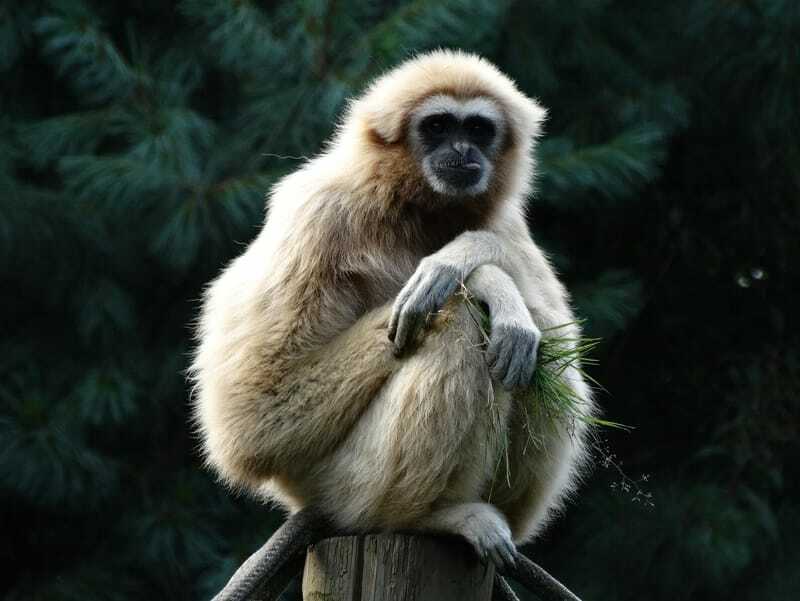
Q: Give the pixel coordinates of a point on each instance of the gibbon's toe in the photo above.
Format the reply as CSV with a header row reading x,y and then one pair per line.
x,y
488,533
496,546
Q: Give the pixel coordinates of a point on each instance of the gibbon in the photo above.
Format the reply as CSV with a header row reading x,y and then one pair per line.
x,y
338,365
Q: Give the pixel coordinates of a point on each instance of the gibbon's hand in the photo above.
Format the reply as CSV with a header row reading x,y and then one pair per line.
x,y
511,355
514,338
436,278
424,294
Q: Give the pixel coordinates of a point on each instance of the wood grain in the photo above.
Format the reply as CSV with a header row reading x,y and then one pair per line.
x,y
395,567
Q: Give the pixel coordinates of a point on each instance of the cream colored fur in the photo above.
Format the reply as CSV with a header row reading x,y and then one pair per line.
x,y
298,395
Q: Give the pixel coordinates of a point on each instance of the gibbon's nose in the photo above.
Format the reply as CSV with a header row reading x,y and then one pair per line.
x,y
466,154
461,147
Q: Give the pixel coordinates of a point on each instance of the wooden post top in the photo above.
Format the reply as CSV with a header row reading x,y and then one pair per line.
x,y
395,567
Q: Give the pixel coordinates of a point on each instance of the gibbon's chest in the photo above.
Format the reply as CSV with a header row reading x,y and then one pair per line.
x,y
382,254
433,223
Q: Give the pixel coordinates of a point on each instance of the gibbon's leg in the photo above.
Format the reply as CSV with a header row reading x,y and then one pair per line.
x,y
542,460
429,445
424,437
545,460
511,356
280,418
543,465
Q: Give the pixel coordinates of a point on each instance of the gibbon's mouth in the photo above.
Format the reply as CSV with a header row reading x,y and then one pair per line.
x,y
459,166
460,175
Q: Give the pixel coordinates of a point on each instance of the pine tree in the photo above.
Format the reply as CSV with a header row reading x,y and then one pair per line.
x,y
139,140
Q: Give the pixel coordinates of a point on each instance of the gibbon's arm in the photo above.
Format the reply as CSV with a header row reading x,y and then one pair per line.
x,y
286,365
315,404
514,338
508,245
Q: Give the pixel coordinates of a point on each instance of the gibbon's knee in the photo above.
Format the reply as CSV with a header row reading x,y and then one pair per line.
x,y
447,368
455,328
447,364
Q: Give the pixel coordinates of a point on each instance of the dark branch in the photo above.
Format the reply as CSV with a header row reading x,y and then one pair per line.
x,y
501,591
268,571
538,581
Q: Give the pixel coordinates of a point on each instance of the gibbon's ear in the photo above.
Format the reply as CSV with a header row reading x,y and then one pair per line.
x,y
527,117
388,122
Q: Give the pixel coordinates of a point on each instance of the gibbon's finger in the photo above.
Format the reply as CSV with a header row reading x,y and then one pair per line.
x,y
415,312
397,310
529,367
400,302
496,344
505,551
403,302
520,356
392,331
503,357
399,314
431,288
514,369
496,557
442,289
408,325
493,350
509,554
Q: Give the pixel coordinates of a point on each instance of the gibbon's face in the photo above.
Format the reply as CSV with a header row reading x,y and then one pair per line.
x,y
456,142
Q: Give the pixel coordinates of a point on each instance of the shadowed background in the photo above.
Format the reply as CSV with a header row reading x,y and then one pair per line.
x,y
137,141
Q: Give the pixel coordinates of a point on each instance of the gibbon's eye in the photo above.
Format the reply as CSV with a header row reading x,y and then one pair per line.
x,y
437,124
480,129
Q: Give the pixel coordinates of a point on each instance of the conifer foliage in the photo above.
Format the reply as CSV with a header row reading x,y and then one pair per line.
x,y
138,140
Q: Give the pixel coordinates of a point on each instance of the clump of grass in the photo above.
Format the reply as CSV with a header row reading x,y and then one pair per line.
x,y
551,404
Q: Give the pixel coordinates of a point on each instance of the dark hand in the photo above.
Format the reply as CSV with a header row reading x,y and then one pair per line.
x,y
425,293
511,355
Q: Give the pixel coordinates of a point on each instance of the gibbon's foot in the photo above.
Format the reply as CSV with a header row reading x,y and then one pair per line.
x,y
483,526
489,534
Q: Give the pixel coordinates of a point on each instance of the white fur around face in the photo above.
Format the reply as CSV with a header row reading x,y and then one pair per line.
x,y
479,106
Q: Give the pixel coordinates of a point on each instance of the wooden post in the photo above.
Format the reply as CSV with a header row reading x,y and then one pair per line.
x,y
395,567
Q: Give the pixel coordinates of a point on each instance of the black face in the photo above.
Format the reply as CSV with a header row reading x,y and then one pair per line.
x,y
456,149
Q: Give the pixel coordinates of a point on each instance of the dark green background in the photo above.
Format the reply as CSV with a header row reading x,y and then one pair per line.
x,y
137,141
